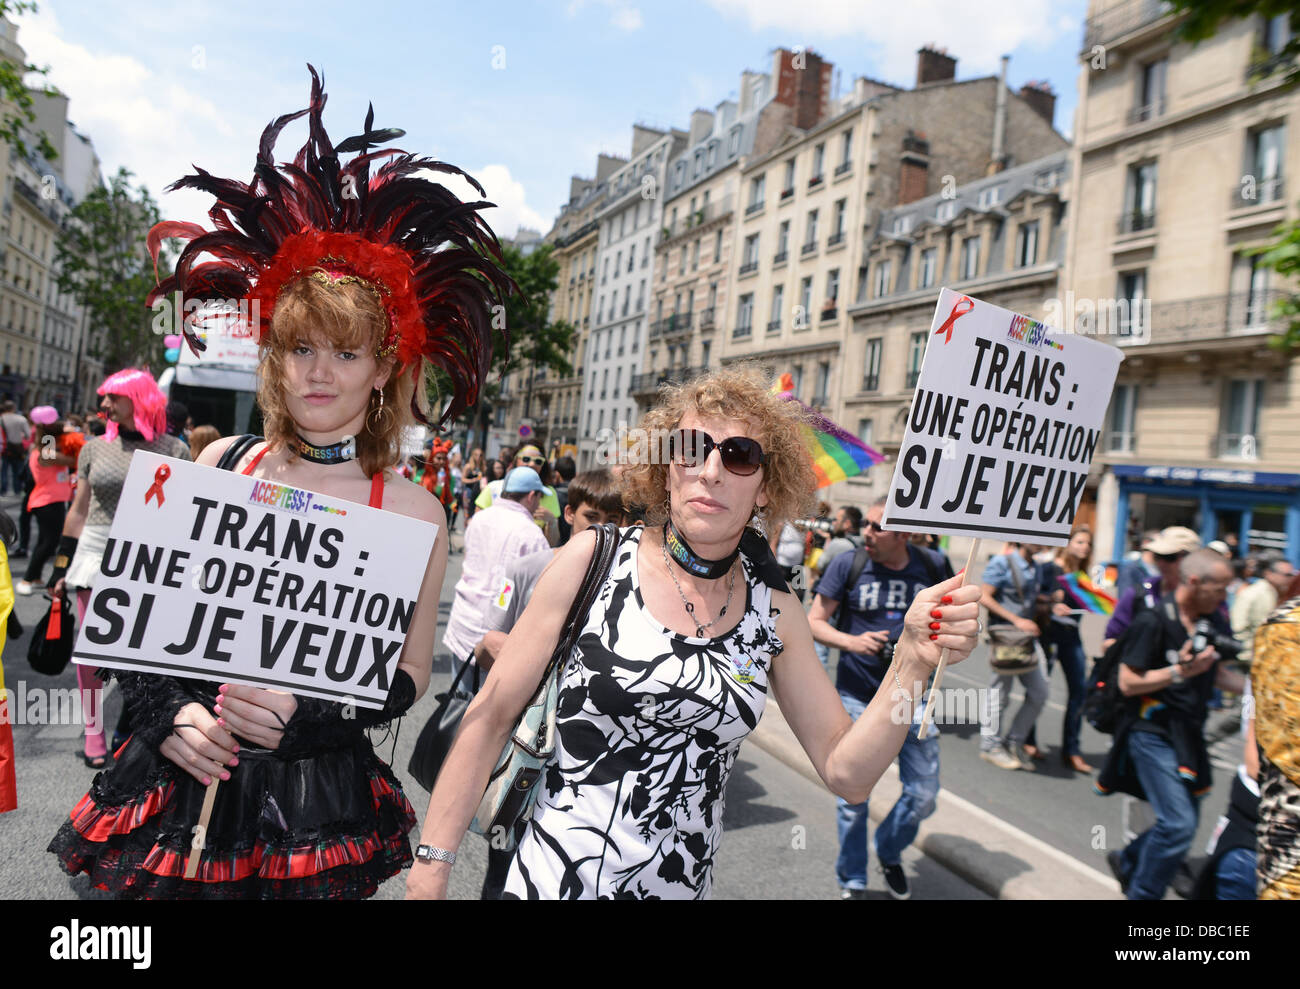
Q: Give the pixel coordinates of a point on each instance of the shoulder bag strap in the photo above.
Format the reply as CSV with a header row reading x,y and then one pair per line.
x,y
597,571
860,560
236,450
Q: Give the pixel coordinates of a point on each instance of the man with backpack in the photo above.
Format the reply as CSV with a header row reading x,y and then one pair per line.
x,y
1168,664
870,590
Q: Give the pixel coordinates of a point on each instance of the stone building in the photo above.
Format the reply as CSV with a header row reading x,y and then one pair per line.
x,y
1180,165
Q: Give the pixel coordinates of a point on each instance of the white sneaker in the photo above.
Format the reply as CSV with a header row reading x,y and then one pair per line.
x,y
24,587
1001,758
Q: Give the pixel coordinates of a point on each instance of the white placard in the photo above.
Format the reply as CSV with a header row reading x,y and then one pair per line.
x,y
214,575
1003,425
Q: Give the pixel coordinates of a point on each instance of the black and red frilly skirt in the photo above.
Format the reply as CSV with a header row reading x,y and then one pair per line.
x,y
329,824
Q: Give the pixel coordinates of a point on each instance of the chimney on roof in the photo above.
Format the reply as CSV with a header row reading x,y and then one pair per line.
x,y
803,83
914,168
701,125
934,65
998,160
1041,99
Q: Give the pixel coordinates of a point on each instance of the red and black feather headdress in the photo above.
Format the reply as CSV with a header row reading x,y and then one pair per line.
x,y
433,261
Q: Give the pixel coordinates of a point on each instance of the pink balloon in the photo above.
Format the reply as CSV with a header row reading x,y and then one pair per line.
x,y
171,340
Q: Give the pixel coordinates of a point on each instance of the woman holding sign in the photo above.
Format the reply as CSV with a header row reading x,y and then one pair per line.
x,y
365,285
673,665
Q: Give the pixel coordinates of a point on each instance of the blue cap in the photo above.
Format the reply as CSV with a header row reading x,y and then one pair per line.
x,y
521,480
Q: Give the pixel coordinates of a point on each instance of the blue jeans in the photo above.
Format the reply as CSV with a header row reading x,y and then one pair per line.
x,y
824,654
918,768
1063,643
1236,875
1153,856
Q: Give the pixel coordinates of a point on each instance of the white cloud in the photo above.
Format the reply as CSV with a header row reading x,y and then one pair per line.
x,y
893,32
623,15
511,211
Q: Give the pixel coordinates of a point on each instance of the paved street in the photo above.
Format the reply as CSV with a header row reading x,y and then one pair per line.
x,y
780,827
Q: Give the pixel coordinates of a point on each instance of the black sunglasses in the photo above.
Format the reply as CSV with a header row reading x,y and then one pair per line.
x,y
740,454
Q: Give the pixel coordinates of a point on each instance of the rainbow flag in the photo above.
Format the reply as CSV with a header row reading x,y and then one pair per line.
x,y
1080,592
836,454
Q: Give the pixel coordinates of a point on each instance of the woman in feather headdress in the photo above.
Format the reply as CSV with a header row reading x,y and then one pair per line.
x,y
366,289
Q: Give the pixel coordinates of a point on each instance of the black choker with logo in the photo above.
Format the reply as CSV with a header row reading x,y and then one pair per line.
x,y
336,453
690,561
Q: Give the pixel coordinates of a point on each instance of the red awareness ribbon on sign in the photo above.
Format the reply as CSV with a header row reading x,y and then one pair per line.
x,y
159,478
956,314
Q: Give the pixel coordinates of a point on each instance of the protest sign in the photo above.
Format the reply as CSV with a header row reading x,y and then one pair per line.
x,y
1004,422
215,575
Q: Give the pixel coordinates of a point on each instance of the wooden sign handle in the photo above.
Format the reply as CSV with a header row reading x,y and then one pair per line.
x,y
201,830
943,656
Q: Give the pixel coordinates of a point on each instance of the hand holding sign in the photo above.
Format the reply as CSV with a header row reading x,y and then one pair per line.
x,y
199,745
258,715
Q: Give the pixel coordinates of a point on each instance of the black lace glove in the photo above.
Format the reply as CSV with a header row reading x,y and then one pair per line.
x,y
63,558
153,701
317,722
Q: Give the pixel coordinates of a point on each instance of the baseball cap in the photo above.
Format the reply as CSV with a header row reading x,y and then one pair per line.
x,y
521,480
1173,540
44,415
1220,547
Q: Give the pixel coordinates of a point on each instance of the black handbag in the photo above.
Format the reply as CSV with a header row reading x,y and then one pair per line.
x,y
52,639
439,732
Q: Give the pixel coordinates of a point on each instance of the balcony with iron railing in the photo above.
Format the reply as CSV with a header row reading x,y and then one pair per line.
x,y
1237,446
651,380
1136,221
808,248
816,181
678,322
706,319
787,194
829,313
1267,65
780,257
1252,192
842,168
741,331
835,239
1141,114
871,382
717,209
1185,323
1120,20
773,327
748,268
754,207
913,377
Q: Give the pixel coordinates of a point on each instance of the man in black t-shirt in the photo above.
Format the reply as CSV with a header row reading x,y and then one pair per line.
x,y
876,603
1159,753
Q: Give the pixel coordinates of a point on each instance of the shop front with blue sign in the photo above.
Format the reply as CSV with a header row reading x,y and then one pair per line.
x,y
1255,510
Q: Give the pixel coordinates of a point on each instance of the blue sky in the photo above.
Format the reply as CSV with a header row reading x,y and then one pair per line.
x,y
520,94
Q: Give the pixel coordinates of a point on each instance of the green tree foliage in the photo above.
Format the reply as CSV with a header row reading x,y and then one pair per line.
x,y
535,343
103,264
16,98
1203,19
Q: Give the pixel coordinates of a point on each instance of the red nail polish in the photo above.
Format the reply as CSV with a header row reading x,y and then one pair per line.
x,y
936,614
947,599
933,637
934,626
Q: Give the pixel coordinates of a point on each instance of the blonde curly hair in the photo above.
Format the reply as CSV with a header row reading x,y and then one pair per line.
x,y
346,315
740,392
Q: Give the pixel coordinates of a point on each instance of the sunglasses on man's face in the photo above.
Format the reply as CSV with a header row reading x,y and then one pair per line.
x,y
872,527
740,454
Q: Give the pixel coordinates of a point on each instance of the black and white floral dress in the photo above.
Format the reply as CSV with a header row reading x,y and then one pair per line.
x,y
649,726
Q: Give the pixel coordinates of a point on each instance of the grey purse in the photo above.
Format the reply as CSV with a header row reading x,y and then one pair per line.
x,y
512,788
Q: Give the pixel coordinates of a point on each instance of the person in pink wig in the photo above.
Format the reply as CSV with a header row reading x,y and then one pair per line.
x,y
135,409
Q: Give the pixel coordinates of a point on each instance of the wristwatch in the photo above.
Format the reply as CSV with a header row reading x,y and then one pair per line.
x,y
1175,672
427,853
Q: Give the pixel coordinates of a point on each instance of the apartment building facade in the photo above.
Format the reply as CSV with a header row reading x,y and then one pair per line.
x,y
1180,166
814,202
1000,239
627,223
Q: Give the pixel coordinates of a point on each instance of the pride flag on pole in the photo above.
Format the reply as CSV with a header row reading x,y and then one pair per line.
x,y
836,454
1080,592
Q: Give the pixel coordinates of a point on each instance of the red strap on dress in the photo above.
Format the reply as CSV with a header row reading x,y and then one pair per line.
x,y
256,460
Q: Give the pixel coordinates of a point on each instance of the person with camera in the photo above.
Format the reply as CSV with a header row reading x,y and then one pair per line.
x,y
1169,664
871,590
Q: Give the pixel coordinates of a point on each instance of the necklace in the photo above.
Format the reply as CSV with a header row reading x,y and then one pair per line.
x,y
690,608
335,453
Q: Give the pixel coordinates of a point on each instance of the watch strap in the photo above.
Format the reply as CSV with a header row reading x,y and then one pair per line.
x,y
428,853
